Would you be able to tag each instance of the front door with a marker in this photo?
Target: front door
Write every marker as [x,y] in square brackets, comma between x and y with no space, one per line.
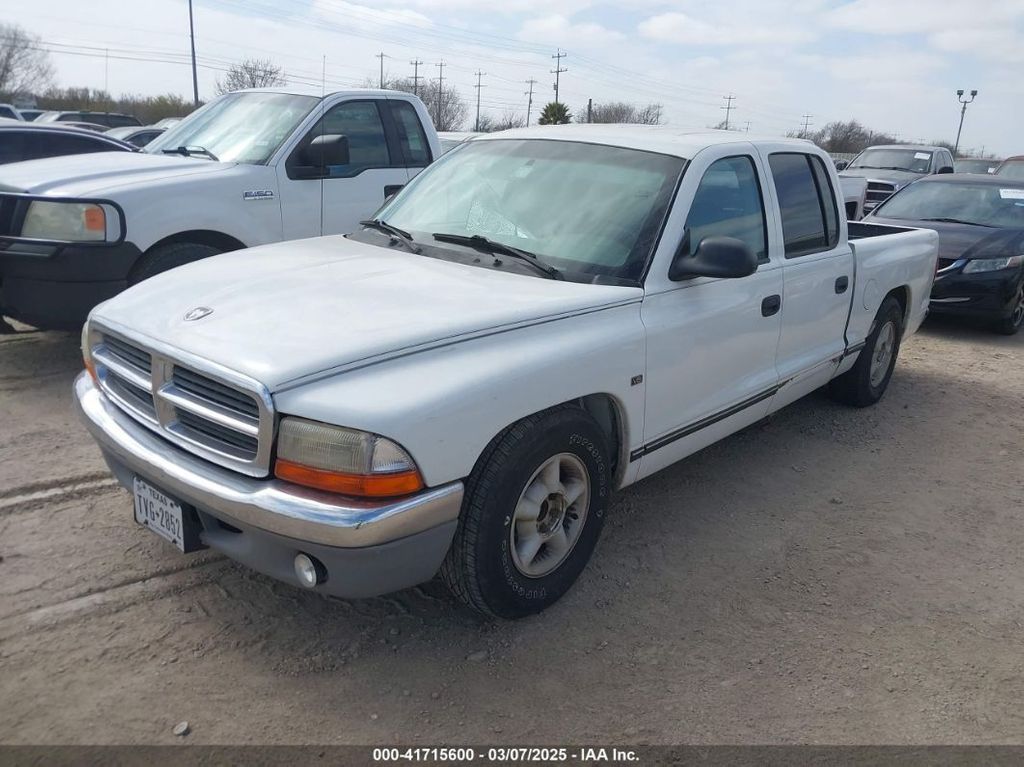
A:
[348,193]
[711,343]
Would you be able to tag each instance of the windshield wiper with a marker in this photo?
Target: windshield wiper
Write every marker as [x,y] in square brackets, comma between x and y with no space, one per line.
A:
[957,221]
[396,234]
[188,151]
[477,242]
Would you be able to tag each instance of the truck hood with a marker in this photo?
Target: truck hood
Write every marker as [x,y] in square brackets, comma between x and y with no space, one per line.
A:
[291,310]
[898,177]
[90,175]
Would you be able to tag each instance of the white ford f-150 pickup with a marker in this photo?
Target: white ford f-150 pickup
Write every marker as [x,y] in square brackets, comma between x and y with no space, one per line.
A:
[249,168]
[540,318]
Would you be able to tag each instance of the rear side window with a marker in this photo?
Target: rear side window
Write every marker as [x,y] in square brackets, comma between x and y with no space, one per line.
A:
[807,205]
[411,138]
[728,204]
[12,147]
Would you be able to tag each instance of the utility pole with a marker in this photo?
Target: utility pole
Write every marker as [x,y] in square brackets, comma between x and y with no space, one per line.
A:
[558,70]
[192,36]
[963,111]
[381,56]
[590,109]
[728,108]
[529,102]
[807,125]
[478,86]
[416,64]
[440,90]
[747,128]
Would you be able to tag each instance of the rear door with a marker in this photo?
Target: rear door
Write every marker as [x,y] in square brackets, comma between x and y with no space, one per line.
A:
[347,193]
[817,272]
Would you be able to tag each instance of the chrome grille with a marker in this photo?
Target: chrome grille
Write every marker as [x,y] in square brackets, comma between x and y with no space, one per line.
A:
[220,415]
[878,192]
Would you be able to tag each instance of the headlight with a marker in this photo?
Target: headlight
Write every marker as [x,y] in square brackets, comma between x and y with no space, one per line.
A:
[87,351]
[73,221]
[342,460]
[992,264]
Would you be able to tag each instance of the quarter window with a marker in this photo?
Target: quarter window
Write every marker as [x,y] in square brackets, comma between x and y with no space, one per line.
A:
[807,204]
[728,203]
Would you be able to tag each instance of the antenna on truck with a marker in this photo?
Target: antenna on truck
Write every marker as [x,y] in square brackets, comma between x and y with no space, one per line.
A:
[323,128]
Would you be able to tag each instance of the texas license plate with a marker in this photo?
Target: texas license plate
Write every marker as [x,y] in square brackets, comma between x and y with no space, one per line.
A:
[165,516]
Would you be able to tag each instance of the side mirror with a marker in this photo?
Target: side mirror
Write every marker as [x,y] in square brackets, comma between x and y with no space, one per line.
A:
[946,169]
[842,165]
[327,150]
[715,257]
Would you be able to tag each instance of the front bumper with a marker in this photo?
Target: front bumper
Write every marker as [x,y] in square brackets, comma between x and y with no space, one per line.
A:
[55,286]
[985,294]
[369,547]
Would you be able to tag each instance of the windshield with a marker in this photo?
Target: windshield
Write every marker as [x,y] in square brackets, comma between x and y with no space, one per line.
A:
[1014,170]
[975,166]
[239,127]
[592,211]
[983,204]
[913,160]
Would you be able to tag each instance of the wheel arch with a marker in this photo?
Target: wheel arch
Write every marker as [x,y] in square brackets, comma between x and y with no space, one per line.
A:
[224,242]
[902,296]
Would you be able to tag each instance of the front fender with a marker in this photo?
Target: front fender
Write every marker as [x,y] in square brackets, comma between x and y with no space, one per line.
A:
[445,405]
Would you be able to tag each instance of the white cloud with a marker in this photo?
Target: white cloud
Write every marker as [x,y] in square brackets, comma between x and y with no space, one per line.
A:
[557,29]
[365,16]
[676,27]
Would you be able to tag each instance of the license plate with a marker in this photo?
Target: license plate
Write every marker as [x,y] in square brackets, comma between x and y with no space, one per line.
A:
[163,515]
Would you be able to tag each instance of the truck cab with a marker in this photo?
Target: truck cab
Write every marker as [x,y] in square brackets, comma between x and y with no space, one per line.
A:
[249,168]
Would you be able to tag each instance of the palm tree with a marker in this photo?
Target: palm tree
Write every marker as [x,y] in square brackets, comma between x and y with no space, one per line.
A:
[555,113]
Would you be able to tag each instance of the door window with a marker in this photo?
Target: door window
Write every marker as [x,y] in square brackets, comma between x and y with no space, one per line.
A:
[360,123]
[411,139]
[728,203]
[807,207]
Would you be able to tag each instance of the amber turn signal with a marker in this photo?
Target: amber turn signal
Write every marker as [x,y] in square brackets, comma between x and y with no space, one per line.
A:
[366,485]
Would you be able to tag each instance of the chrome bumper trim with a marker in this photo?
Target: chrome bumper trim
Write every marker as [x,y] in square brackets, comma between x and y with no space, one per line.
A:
[269,504]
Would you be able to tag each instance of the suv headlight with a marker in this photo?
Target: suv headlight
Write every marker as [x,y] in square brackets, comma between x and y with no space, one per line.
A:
[992,264]
[342,460]
[71,221]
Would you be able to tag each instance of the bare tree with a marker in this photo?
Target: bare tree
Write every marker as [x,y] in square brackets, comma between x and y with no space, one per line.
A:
[507,121]
[448,114]
[251,73]
[621,112]
[847,136]
[25,66]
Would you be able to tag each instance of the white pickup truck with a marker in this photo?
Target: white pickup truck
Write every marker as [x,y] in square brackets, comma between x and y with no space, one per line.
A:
[542,317]
[248,168]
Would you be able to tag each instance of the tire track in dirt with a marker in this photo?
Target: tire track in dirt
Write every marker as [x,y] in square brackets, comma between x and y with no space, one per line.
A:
[34,494]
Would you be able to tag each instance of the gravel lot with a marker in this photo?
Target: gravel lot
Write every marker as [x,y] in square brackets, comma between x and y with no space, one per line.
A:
[827,576]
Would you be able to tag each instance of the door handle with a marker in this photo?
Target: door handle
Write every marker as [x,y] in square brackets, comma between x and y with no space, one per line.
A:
[391,189]
[842,283]
[771,305]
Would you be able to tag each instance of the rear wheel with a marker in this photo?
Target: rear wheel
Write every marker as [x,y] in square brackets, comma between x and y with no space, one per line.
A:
[866,382]
[165,257]
[1009,325]
[532,514]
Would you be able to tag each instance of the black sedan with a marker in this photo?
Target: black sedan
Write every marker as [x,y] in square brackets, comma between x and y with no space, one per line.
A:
[980,221]
[21,141]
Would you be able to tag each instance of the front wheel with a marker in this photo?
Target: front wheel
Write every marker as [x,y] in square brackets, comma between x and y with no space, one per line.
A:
[532,514]
[866,382]
[1010,324]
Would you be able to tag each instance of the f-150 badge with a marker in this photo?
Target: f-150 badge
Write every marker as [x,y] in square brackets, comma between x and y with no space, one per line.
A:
[258,194]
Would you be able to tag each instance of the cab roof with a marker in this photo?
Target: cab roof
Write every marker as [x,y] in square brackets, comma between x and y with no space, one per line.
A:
[664,139]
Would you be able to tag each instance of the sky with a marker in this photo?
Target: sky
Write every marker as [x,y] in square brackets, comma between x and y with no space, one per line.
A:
[894,65]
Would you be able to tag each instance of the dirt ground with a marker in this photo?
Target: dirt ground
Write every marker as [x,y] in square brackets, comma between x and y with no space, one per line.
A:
[827,576]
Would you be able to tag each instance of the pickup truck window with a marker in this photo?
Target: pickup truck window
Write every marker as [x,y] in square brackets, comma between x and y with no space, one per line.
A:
[802,204]
[360,122]
[728,203]
[912,160]
[411,139]
[239,127]
[827,195]
[592,211]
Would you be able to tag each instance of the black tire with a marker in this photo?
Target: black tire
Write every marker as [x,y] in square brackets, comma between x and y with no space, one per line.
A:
[854,387]
[165,257]
[1008,326]
[480,568]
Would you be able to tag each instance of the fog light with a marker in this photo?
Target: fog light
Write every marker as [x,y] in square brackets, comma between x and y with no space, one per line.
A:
[309,571]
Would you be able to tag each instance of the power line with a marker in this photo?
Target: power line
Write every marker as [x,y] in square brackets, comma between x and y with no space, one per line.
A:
[728,108]
[557,71]
[529,101]
[478,86]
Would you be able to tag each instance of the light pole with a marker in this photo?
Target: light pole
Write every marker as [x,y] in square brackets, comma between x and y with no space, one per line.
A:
[963,111]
